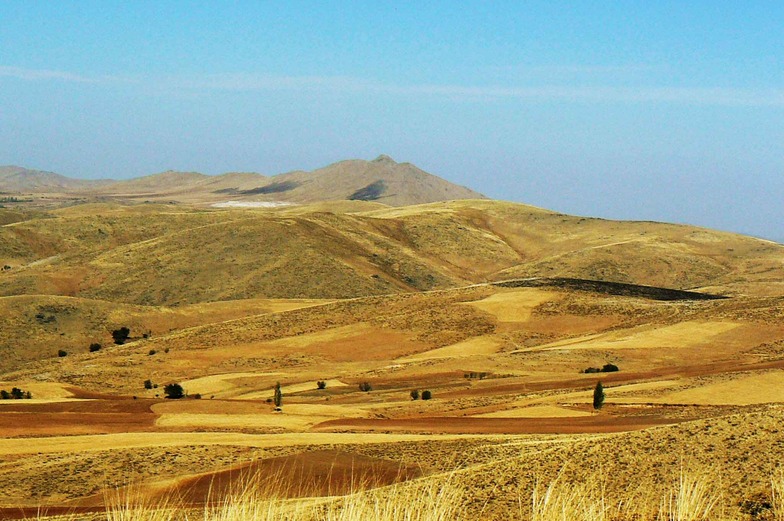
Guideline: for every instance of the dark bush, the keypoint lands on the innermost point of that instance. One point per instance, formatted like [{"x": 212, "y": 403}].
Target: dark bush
[
  {"x": 197, "y": 396},
  {"x": 365, "y": 387},
  {"x": 148, "y": 384},
  {"x": 152, "y": 352},
  {"x": 15, "y": 394},
  {"x": 62, "y": 353},
  {"x": 606, "y": 368},
  {"x": 173, "y": 391},
  {"x": 426, "y": 395},
  {"x": 415, "y": 394},
  {"x": 95, "y": 346},
  {"x": 121, "y": 335},
  {"x": 321, "y": 384}
]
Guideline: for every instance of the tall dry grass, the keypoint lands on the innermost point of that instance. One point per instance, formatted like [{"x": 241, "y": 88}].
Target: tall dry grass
[
  {"x": 422, "y": 500},
  {"x": 444, "y": 498}
]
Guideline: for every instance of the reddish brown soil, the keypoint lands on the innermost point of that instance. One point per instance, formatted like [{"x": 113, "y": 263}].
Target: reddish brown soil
[
  {"x": 37, "y": 512},
  {"x": 600, "y": 423},
  {"x": 308, "y": 474},
  {"x": 589, "y": 380},
  {"x": 76, "y": 417}
]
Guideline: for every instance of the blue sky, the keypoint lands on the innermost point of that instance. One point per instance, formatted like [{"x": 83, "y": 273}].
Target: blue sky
[{"x": 669, "y": 111}]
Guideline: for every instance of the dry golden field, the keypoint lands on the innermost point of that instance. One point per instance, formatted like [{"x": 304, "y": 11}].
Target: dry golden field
[{"x": 489, "y": 306}]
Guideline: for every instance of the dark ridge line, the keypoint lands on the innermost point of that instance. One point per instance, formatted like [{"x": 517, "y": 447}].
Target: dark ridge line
[{"x": 610, "y": 288}]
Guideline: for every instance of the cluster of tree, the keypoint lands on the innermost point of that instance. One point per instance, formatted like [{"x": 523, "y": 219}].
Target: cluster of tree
[
  {"x": 606, "y": 368},
  {"x": 473, "y": 374},
  {"x": 15, "y": 394},
  {"x": 425, "y": 395},
  {"x": 321, "y": 384}
]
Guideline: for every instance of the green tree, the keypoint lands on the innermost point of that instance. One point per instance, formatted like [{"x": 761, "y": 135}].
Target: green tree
[
  {"x": 426, "y": 395},
  {"x": 173, "y": 391},
  {"x": 598, "y": 396},
  {"x": 278, "y": 396}
]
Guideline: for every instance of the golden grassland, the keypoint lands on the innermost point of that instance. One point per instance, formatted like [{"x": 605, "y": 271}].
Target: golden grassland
[{"x": 228, "y": 303}]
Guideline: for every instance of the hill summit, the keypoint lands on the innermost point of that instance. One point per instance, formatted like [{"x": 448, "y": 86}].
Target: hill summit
[{"x": 381, "y": 180}]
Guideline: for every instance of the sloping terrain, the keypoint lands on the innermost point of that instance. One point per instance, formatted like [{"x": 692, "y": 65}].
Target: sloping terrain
[
  {"x": 505, "y": 314},
  {"x": 164, "y": 255},
  {"x": 15, "y": 179}
]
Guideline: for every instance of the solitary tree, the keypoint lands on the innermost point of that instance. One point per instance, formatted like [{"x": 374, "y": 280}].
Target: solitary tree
[
  {"x": 415, "y": 394},
  {"x": 278, "y": 396},
  {"x": 95, "y": 346},
  {"x": 598, "y": 396},
  {"x": 426, "y": 395},
  {"x": 121, "y": 335},
  {"x": 173, "y": 391}
]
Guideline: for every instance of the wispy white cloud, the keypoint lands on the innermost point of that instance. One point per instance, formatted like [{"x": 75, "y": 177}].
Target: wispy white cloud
[
  {"x": 22, "y": 73},
  {"x": 346, "y": 84},
  {"x": 541, "y": 93}
]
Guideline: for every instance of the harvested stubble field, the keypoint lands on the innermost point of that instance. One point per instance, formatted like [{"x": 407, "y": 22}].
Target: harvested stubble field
[{"x": 698, "y": 392}]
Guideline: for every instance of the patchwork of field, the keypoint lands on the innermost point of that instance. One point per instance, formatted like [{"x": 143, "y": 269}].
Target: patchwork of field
[{"x": 508, "y": 369}]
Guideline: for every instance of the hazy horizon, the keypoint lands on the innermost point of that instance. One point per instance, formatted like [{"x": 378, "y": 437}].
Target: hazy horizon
[{"x": 668, "y": 111}]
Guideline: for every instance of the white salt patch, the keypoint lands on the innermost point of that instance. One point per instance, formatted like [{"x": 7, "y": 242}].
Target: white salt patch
[{"x": 252, "y": 204}]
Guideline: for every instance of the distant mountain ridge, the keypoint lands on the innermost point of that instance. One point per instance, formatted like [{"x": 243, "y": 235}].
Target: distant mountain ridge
[
  {"x": 381, "y": 180},
  {"x": 19, "y": 179}
]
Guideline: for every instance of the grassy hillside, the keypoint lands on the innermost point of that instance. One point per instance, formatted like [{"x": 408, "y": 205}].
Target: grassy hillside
[{"x": 163, "y": 255}]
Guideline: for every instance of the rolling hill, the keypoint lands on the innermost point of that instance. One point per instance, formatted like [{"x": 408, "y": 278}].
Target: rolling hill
[
  {"x": 382, "y": 180},
  {"x": 165, "y": 255},
  {"x": 505, "y": 313}
]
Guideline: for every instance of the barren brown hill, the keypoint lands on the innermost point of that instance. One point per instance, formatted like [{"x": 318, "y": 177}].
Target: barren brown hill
[
  {"x": 382, "y": 180},
  {"x": 15, "y": 179},
  {"x": 166, "y": 255}
]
